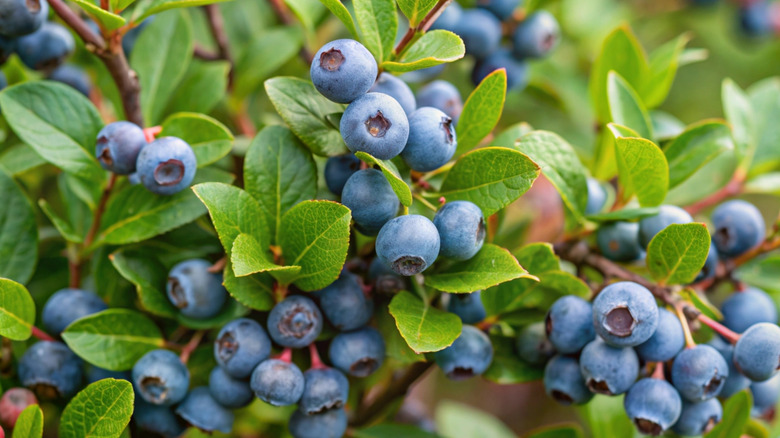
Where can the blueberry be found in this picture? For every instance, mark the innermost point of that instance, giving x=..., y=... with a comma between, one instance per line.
x=461, y=227
x=7, y=48
x=699, y=373
x=22, y=17
x=45, y=48
x=480, y=31
x=371, y=199
x=564, y=383
x=229, y=391
x=755, y=18
x=330, y=424
x=442, y=95
x=375, y=123
x=739, y=227
x=74, y=77
x=667, y=215
x=343, y=70
x=468, y=307
x=698, y=418
x=432, y=141
x=118, y=146
x=533, y=346
x=277, y=382
x=597, y=197
x=128, y=41
x=735, y=382
x=157, y=419
x=625, y=314
x=240, y=346
x=161, y=378
x=516, y=70
x=653, y=406
x=765, y=395
x=345, y=304
x=13, y=402
x=449, y=18
x=50, y=369
x=757, y=353
x=667, y=341
x=569, y=324
x=358, y=353
x=324, y=389
x=397, y=89
x=201, y=410
x=68, y=305
x=608, y=370
x=743, y=309
x=619, y=241
x=195, y=291
x=295, y=322
x=536, y=36
x=408, y=244
x=96, y=373
x=470, y=355
x=710, y=265
x=338, y=169
x=384, y=279
x=502, y=9
x=166, y=165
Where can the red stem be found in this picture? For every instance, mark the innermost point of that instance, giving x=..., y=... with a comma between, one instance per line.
x=286, y=355
x=316, y=361
x=151, y=133
x=733, y=188
x=40, y=334
x=719, y=328
x=191, y=346
x=658, y=371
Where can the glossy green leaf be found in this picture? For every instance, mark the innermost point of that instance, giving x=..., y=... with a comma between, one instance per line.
x=61, y=224
x=308, y=13
x=248, y=258
x=463, y=421
x=17, y=311
x=378, y=23
x=396, y=347
x=736, y=413
x=393, y=430
x=393, y=176
x=525, y=293
x=118, y=5
x=18, y=159
x=491, y=266
x=739, y=113
x=702, y=303
x=481, y=111
x=415, y=10
x=507, y=368
x=425, y=328
x=625, y=106
x=146, y=8
x=538, y=258
x=557, y=431
x=606, y=416
x=433, y=48
x=664, y=62
x=29, y=424
x=202, y=87
x=511, y=135
x=109, y=20
x=342, y=13
x=102, y=409
x=626, y=214
x=253, y=291
x=19, y=235
x=642, y=170
x=765, y=183
x=678, y=252
x=266, y=54
x=210, y=139
x=695, y=147
x=761, y=273
x=765, y=100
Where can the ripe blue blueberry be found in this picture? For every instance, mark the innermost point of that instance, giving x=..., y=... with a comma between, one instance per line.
x=338, y=169
x=45, y=48
x=397, y=89
x=653, y=405
x=470, y=355
x=432, y=140
x=161, y=378
x=757, y=353
x=166, y=165
x=742, y=309
x=563, y=381
x=449, y=18
x=129, y=39
x=229, y=391
x=699, y=373
x=619, y=241
x=536, y=36
x=480, y=31
x=50, y=369
x=502, y=9
x=68, y=305
x=240, y=346
x=295, y=322
x=442, y=95
x=195, y=291
x=735, y=382
x=755, y=18
x=7, y=48
x=96, y=373
x=739, y=226
x=384, y=279
x=667, y=341
x=118, y=146
x=698, y=418
x=710, y=265
x=371, y=199
x=157, y=419
x=468, y=307
x=408, y=244
x=766, y=394
x=345, y=304
x=533, y=346
x=667, y=215
x=461, y=227
x=343, y=70
x=608, y=370
x=569, y=324
x=277, y=382
x=201, y=410
x=75, y=77
x=597, y=197
x=324, y=389
x=516, y=69
x=330, y=424
x=358, y=353
x=22, y=17
x=375, y=123
x=625, y=314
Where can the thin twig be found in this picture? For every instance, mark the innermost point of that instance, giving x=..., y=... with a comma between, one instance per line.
x=78, y=25
x=217, y=26
x=101, y=208
x=204, y=54
x=421, y=27
x=733, y=188
x=395, y=389
x=186, y=352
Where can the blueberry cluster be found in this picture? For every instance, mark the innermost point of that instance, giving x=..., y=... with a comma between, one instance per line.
x=165, y=166
x=472, y=352
x=755, y=18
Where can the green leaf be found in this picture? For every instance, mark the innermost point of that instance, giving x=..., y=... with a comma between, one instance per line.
x=58, y=122
x=109, y=20
x=739, y=113
x=678, y=252
x=491, y=178
x=765, y=100
x=557, y=431
x=736, y=413
x=308, y=13
x=664, y=62
x=625, y=106
x=253, y=291
x=315, y=236
x=146, y=8
x=481, y=111
x=606, y=417
x=210, y=139
x=642, y=170
x=19, y=236
x=416, y=10
x=695, y=147
x=113, y=339
x=18, y=159
x=161, y=57
x=62, y=225
x=29, y=424
x=342, y=13
x=17, y=311
x=762, y=273
x=702, y=303
x=538, y=258
x=626, y=214
x=304, y=110
x=118, y=5
x=392, y=430
x=248, y=258
x=393, y=176
x=462, y=421
x=102, y=409
x=511, y=135
x=491, y=266
x=201, y=88
x=264, y=55
x=424, y=328
x=378, y=24
x=279, y=172
x=507, y=368
x=524, y=293
x=433, y=48
x=396, y=346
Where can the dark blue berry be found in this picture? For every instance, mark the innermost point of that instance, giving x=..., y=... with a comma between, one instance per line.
x=442, y=95
x=295, y=322
x=166, y=166
x=735, y=382
x=343, y=70
x=408, y=244
x=461, y=227
x=619, y=241
x=743, y=309
x=480, y=31
x=516, y=70
x=195, y=291
x=338, y=169
x=229, y=391
x=277, y=382
x=757, y=353
x=371, y=199
x=118, y=146
x=432, y=141
x=698, y=418
x=608, y=370
x=161, y=378
x=502, y=9
x=536, y=36
x=470, y=355
x=597, y=197
x=625, y=314
x=397, y=89
x=201, y=410
x=22, y=17
x=375, y=123
x=384, y=279
x=468, y=307
x=50, y=369
x=710, y=265
x=667, y=341
x=667, y=215
x=45, y=48
x=765, y=395
x=157, y=419
x=359, y=352
x=564, y=383
x=699, y=373
x=240, y=346
x=739, y=227
x=74, y=77
x=68, y=305
x=324, y=389
x=330, y=424
x=533, y=346
x=345, y=304
x=653, y=405
x=569, y=324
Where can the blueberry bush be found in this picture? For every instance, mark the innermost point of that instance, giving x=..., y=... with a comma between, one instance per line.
x=273, y=218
